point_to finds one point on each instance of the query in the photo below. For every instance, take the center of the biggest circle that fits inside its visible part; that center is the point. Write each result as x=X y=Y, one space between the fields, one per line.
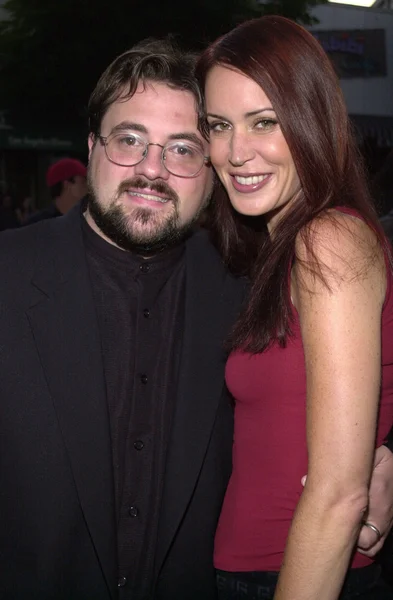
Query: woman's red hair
x=295 y=73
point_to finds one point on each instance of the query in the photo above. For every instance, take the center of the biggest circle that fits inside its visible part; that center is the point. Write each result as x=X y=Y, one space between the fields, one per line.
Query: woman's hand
x=380 y=512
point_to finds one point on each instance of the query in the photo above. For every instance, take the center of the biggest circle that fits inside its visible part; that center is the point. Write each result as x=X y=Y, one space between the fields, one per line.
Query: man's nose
x=152 y=166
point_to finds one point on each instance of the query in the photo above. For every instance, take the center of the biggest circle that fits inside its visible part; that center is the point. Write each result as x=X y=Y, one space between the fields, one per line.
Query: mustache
x=142 y=184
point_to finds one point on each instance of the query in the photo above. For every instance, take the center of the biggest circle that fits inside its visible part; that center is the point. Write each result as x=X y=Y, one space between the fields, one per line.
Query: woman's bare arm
x=341 y=332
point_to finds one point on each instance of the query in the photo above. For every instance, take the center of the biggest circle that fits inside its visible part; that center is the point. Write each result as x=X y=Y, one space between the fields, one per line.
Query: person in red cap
x=66 y=180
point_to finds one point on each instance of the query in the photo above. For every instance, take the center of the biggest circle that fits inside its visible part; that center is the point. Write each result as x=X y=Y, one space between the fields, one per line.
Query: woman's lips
x=250 y=183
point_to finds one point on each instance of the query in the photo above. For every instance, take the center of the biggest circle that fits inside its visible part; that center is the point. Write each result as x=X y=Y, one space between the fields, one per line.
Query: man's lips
x=147 y=194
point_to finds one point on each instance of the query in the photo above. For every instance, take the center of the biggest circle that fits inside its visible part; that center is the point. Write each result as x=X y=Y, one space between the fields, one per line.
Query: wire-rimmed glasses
x=181 y=158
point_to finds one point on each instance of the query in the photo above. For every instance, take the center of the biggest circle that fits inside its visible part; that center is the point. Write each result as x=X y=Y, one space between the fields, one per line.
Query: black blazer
x=57 y=526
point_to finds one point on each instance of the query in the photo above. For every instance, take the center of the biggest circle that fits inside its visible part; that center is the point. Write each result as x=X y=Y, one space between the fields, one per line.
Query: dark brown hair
x=160 y=61
x=295 y=73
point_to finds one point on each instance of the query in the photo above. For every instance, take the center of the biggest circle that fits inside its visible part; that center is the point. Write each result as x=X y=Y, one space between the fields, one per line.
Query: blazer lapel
x=213 y=300
x=64 y=326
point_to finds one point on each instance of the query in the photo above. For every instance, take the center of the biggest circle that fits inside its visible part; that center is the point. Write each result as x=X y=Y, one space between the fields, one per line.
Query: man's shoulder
x=201 y=248
x=21 y=248
x=23 y=238
x=208 y=264
x=18 y=254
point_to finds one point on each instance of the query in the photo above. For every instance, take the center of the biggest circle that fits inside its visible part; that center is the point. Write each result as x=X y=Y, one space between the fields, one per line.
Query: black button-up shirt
x=140 y=305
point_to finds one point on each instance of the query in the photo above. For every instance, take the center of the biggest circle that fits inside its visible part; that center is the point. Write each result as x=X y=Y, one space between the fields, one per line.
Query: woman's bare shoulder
x=339 y=247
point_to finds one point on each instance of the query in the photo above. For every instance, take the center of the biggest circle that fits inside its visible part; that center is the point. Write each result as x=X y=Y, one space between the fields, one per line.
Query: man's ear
x=67 y=184
x=91 y=142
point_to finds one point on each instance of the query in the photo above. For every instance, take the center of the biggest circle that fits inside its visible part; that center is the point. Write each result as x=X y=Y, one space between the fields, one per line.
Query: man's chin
x=144 y=232
x=150 y=242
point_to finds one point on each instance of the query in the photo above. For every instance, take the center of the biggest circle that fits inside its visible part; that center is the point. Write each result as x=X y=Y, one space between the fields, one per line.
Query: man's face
x=144 y=207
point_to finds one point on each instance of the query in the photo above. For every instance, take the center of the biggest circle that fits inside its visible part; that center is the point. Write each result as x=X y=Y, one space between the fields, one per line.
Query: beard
x=141 y=230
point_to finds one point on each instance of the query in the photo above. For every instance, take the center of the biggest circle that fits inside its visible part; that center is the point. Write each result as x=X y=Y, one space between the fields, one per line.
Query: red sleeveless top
x=270 y=450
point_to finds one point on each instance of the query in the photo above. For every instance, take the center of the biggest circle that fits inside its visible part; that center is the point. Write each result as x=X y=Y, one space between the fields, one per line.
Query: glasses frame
x=104 y=142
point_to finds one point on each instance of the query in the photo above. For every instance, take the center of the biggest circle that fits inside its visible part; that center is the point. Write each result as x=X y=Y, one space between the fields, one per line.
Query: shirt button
x=133 y=511
x=139 y=445
x=122 y=581
x=144 y=267
x=146 y=313
x=144 y=379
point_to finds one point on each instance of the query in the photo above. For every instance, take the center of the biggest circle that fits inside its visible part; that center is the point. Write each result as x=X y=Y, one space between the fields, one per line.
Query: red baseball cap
x=63 y=169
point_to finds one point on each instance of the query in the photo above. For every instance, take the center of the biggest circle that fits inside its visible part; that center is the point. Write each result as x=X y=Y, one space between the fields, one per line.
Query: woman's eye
x=265 y=123
x=218 y=126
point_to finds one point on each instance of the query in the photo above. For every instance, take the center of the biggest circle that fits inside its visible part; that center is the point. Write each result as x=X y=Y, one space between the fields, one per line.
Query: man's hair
x=151 y=60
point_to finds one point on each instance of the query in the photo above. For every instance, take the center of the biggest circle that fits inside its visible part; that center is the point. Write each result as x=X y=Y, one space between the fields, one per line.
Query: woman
x=312 y=383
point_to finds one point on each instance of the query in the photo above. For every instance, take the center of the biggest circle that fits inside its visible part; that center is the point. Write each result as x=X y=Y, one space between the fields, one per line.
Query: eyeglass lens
x=180 y=158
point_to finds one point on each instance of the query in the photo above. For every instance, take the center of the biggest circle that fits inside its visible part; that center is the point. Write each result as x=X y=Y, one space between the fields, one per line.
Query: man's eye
x=182 y=150
x=128 y=140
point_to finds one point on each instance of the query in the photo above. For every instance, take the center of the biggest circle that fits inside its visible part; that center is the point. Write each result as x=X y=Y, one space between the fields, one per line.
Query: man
x=66 y=180
x=116 y=430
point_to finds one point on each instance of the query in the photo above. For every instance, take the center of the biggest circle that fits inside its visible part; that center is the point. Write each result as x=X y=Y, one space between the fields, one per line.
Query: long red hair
x=295 y=73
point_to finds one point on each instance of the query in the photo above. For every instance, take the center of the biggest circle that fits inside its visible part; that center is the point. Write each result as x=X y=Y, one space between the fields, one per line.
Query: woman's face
x=247 y=147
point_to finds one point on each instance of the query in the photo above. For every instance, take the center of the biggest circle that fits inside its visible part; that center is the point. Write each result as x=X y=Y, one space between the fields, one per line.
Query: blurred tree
x=52 y=52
